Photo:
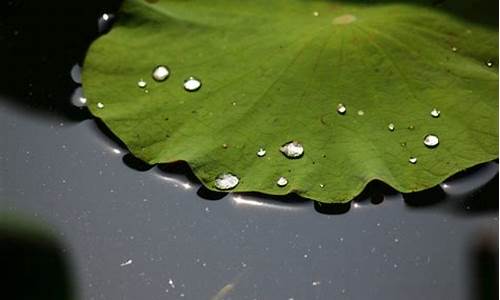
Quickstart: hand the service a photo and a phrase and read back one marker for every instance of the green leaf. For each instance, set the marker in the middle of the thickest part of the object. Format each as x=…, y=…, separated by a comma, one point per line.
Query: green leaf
x=274, y=71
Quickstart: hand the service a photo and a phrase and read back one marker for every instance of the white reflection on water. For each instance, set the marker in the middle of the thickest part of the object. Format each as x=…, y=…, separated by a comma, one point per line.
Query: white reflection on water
x=176, y=182
x=244, y=200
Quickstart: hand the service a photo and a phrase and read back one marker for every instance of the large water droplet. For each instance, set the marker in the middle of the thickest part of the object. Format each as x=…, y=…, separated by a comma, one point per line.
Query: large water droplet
x=76, y=74
x=226, y=181
x=100, y=105
x=160, y=73
x=142, y=84
x=435, y=113
x=292, y=149
x=412, y=160
x=261, y=152
x=391, y=127
x=431, y=140
x=341, y=109
x=192, y=84
x=282, y=181
x=104, y=23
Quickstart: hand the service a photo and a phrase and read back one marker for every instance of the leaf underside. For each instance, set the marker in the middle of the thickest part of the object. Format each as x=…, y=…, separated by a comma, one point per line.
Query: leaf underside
x=274, y=71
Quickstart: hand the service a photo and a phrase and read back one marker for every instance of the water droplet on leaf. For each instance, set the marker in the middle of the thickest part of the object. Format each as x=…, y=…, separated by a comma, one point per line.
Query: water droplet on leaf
x=391, y=127
x=192, y=84
x=412, y=160
x=341, y=109
x=435, y=113
x=454, y=49
x=431, y=140
x=226, y=181
x=489, y=63
x=100, y=105
x=282, y=181
x=261, y=152
x=142, y=84
x=160, y=73
x=361, y=113
x=292, y=149
x=316, y=14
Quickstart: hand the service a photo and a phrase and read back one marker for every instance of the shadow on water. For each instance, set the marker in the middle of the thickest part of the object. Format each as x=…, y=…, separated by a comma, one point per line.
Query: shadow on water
x=33, y=262
x=484, y=267
x=432, y=196
x=472, y=191
x=41, y=41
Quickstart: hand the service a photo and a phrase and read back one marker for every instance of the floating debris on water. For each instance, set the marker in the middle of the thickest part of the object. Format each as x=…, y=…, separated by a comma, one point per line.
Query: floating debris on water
x=292, y=149
x=160, y=73
x=226, y=181
x=126, y=263
x=431, y=140
x=341, y=109
x=192, y=84
x=413, y=160
x=435, y=113
x=261, y=152
x=282, y=181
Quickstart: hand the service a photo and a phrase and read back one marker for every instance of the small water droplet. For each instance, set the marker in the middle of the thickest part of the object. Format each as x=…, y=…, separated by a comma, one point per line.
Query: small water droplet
x=454, y=49
x=292, y=149
x=431, y=140
x=104, y=23
x=411, y=127
x=412, y=160
x=403, y=144
x=489, y=63
x=435, y=113
x=160, y=73
x=391, y=127
x=282, y=181
x=261, y=152
x=321, y=185
x=224, y=146
x=226, y=181
x=78, y=99
x=142, y=84
x=361, y=113
x=316, y=14
x=100, y=105
x=341, y=109
x=192, y=84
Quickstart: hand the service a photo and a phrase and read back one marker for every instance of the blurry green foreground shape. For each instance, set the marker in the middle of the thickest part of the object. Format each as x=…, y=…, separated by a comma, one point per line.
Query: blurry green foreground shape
x=275, y=71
